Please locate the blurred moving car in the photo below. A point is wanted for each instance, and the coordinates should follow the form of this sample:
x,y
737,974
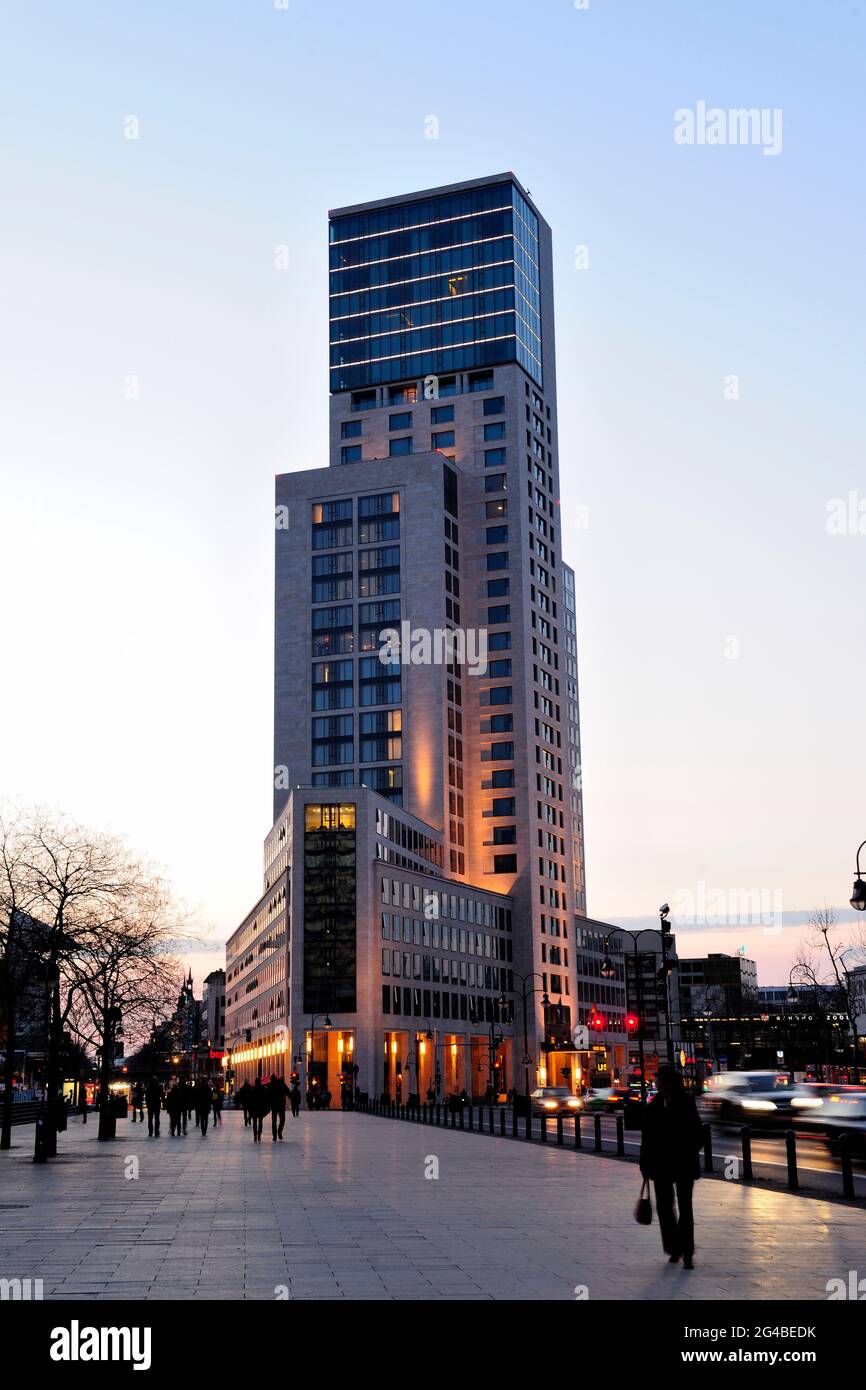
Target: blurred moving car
x,y
762,1099
606,1098
550,1100
835,1111
809,1098
845,1113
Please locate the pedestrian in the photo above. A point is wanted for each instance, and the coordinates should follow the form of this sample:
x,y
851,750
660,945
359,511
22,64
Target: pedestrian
x,y
202,1106
671,1139
138,1102
277,1092
295,1099
153,1101
216,1099
259,1107
244,1096
173,1104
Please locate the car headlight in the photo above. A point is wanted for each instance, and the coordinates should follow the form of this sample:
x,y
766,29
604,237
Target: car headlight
x,y
759,1105
574,1104
807,1102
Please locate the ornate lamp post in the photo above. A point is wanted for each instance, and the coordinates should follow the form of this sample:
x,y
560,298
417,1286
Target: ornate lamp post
x,y
608,971
858,897
526,994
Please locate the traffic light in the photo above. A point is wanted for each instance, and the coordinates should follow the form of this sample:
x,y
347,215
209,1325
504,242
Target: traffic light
x,y
662,991
631,1022
597,1022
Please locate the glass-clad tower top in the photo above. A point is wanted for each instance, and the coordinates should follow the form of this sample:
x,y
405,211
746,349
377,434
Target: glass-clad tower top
x,y
435,284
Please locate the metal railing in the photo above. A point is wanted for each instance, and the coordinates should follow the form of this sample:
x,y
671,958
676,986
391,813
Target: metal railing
x,y
503,1122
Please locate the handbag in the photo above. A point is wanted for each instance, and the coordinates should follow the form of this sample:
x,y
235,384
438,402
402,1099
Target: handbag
x,y
643,1212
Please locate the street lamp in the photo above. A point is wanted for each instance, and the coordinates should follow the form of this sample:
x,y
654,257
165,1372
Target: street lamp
x,y
607,971
858,897
793,998
526,994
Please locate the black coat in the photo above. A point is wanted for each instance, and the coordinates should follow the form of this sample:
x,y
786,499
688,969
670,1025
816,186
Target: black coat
x,y
671,1139
277,1092
259,1101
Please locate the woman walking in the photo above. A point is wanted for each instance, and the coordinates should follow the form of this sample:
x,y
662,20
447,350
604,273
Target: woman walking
x,y
671,1139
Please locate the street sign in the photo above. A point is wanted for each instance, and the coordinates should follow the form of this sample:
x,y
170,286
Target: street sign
x,y
527,1061
580,1036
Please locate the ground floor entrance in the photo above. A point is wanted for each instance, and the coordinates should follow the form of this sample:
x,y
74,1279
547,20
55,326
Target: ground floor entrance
x,y
434,1065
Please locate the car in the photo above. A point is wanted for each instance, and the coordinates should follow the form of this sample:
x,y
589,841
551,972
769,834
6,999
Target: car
x,y
842,1111
553,1100
606,1098
762,1099
809,1099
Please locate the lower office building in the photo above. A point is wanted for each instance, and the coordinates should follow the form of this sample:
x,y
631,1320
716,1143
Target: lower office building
x,y
362,966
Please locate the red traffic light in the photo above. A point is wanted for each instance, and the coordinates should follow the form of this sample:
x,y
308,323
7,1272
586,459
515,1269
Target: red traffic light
x,y
631,1022
597,1021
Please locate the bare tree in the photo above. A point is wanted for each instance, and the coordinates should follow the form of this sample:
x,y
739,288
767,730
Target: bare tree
x,y
120,975
102,927
825,960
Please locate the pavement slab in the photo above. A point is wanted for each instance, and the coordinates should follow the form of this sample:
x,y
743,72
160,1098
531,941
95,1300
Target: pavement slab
x,y
344,1209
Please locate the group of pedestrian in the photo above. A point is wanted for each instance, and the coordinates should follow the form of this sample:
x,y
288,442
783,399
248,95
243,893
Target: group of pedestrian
x,y
180,1101
257,1101
317,1098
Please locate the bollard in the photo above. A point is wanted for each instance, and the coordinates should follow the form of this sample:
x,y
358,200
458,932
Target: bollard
x,y
620,1136
597,1119
791,1150
560,1137
514,1131
708,1150
527,1133
502,1123
845,1163
746,1141
462,1126
543,1128
472,1118
40,1153
577,1120
490,1117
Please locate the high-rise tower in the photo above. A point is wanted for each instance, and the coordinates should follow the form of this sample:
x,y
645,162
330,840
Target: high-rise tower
x,y
438,519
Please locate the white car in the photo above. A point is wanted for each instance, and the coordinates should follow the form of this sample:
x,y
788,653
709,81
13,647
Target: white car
x,y
762,1099
554,1100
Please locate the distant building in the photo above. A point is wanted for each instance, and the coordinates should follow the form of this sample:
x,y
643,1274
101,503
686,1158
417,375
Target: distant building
x,y
717,984
213,1011
796,998
857,987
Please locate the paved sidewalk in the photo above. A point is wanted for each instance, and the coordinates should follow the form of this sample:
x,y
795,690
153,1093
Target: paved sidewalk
x,y
342,1209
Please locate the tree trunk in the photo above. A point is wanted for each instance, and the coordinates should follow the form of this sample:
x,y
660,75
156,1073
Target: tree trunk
x,y
9,1071
52,1075
107,1123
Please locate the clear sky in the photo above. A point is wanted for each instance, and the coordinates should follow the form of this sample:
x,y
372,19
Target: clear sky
x,y
158,370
